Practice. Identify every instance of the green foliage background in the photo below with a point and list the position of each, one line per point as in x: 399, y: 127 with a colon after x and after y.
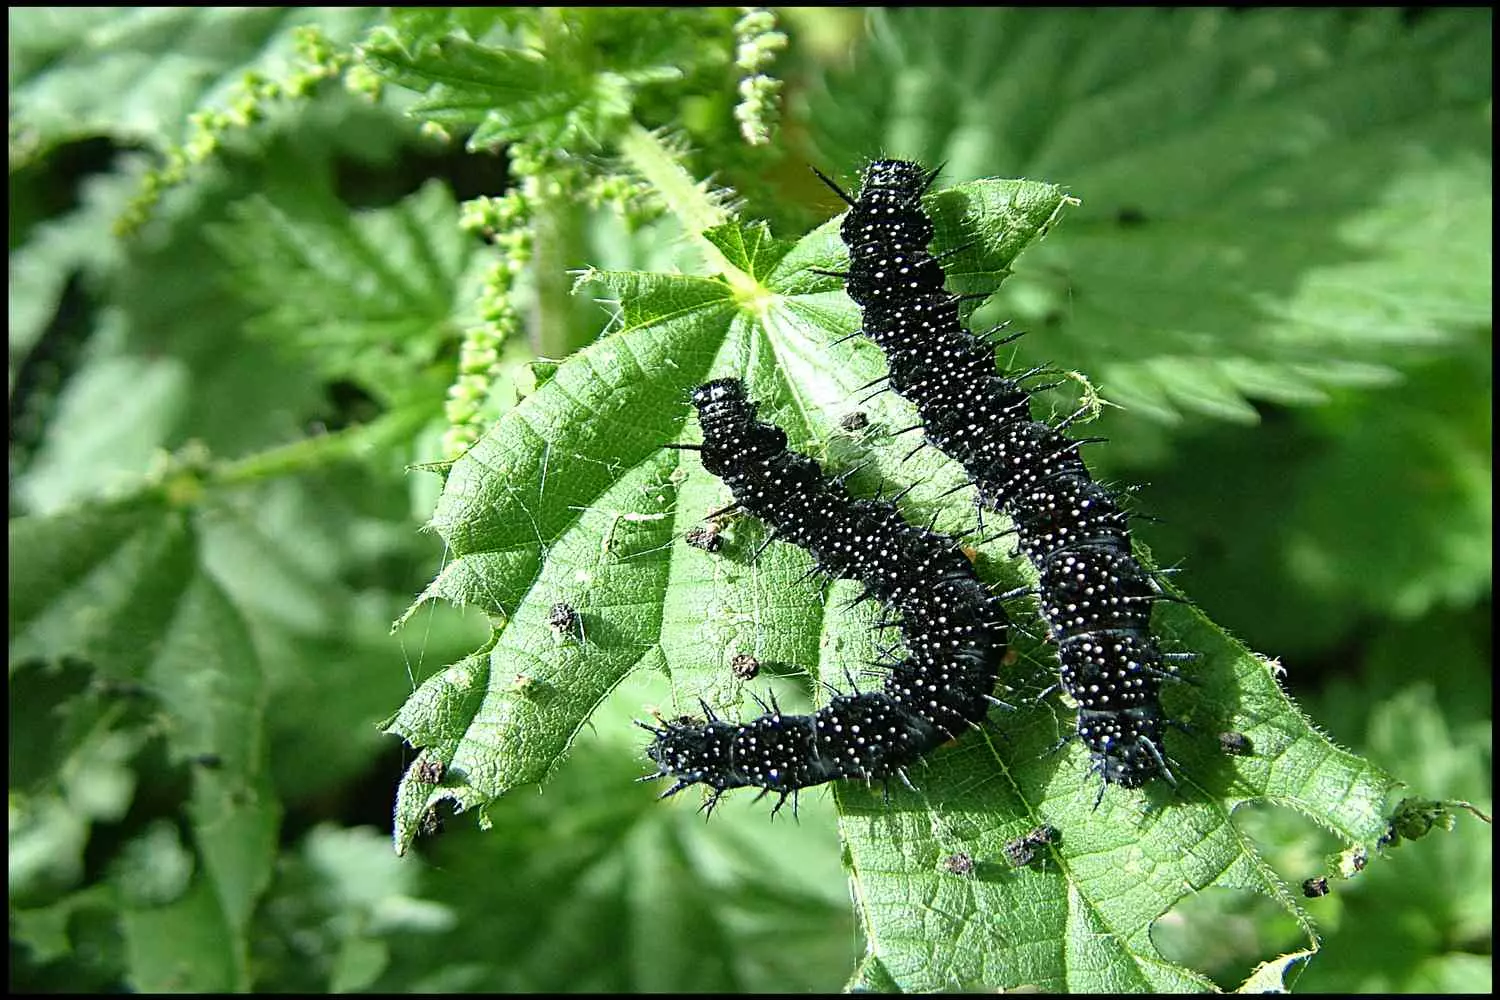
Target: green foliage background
x: 1279, y: 272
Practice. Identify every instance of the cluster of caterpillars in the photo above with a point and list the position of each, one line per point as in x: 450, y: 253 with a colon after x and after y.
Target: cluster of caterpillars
x: 1096, y: 598
x: 954, y: 629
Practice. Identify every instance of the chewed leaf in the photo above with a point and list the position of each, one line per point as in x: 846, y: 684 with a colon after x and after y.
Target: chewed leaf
x: 1093, y: 895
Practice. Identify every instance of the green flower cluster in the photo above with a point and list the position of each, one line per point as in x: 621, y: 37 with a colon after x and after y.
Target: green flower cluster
x: 758, y: 45
x: 317, y: 60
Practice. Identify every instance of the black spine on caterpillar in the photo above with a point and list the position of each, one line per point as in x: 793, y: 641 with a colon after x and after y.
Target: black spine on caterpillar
x: 954, y: 628
x: 1096, y: 598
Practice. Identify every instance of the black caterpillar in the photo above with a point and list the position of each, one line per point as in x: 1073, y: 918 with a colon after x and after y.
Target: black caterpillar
x: 1096, y: 599
x: 954, y: 628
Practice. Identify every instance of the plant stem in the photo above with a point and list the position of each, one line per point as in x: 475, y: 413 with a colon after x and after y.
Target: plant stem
x: 557, y: 232
x: 692, y: 203
x: 349, y: 444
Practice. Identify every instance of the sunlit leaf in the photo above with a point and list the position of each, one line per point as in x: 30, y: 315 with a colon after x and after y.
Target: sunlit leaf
x: 572, y: 498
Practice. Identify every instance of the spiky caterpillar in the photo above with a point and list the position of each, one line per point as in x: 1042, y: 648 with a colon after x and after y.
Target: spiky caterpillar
x: 953, y: 627
x: 1096, y: 598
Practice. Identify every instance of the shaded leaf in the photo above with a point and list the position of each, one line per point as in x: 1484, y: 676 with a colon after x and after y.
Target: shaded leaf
x: 1376, y: 505
x: 184, y: 946
x: 370, y: 296
x: 135, y: 73
x: 638, y: 898
x: 120, y: 587
x: 1274, y: 202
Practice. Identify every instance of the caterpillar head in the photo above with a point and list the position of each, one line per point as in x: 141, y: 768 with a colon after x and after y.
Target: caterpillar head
x: 731, y: 434
x: 692, y: 751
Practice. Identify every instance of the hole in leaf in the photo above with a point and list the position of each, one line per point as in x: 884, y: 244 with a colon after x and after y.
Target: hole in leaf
x: 1225, y: 933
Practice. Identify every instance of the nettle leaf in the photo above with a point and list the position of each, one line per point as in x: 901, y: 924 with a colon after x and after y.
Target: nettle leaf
x: 73, y: 242
x: 1313, y: 502
x: 572, y: 498
x: 509, y: 94
x: 1443, y: 757
x: 1277, y: 202
x: 136, y: 73
x: 737, y: 907
x: 118, y: 586
x: 371, y: 295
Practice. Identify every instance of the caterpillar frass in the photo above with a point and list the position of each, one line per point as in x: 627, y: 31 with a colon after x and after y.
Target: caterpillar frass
x: 1095, y: 597
x: 954, y: 629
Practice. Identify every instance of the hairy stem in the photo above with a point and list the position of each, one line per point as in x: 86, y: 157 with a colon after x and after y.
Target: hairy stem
x: 690, y: 202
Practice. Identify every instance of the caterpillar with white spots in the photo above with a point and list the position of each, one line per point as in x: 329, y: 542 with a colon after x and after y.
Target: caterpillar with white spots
x: 954, y: 628
x: 1095, y: 597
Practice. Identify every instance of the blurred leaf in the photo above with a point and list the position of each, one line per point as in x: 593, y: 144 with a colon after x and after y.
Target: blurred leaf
x: 1275, y: 202
x: 119, y: 586
x: 101, y: 584
x: 52, y: 933
x: 605, y: 890
x: 135, y: 73
x: 168, y: 353
x: 1430, y: 534
x: 1416, y: 923
x: 571, y: 498
x: 319, y: 566
x: 370, y: 296
x: 59, y: 247
x: 338, y: 905
x: 70, y: 768
x: 1379, y: 504
x: 154, y: 868
x: 183, y: 947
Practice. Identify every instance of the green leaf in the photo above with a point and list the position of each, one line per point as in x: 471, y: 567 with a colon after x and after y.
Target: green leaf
x: 134, y: 74
x: 464, y: 82
x: 119, y: 586
x: 1275, y: 202
x: 185, y: 946
x: 638, y: 898
x: 154, y: 868
x: 571, y: 498
x: 563, y: 78
x: 753, y: 250
x: 71, y: 767
x: 1116, y: 869
x: 1440, y: 509
x: 152, y: 358
x: 1443, y: 891
x: 39, y: 268
x: 370, y: 296
x: 101, y: 584
x: 1315, y: 503
x: 418, y: 27
x: 511, y: 94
